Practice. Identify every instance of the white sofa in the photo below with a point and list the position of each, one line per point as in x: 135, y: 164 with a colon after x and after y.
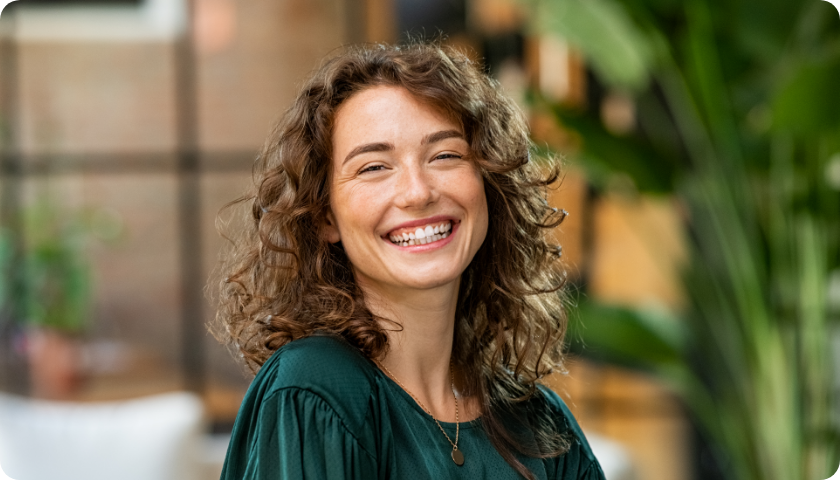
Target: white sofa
x: 153, y: 438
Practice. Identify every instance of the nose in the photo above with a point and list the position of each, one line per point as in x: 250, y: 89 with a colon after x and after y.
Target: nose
x: 416, y: 188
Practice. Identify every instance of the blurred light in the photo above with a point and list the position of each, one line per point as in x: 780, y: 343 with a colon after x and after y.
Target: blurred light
x: 151, y: 20
x: 618, y: 112
x: 554, y: 75
x: 834, y: 291
x: 832, y: 171
x: 514, y: 81
x: 215, y: 25
x: 495, y: 17
x: 760, y: 118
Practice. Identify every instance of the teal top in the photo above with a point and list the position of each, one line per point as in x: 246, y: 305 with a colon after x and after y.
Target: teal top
x: 318, y: 409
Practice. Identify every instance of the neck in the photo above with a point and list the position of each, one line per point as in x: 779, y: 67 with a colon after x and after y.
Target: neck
x: 420, y: 346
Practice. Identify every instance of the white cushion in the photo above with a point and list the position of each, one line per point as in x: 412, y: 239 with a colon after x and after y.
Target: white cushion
x: 153, y: 438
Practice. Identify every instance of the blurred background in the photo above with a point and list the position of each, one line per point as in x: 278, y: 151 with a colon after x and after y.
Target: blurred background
x: 701, y: 142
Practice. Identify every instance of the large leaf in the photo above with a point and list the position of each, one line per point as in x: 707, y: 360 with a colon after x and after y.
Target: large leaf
x: 632, y: 337
x: 809, y: 102
x: 704, y: 73
x: 605, y: 33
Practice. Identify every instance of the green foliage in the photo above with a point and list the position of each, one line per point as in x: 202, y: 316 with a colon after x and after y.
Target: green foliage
x: 739, y: 117
x: 618, y: 53
x: 48, y: 285
x: 641, y: 338
x: 606, y: 153
x: 803, y: 104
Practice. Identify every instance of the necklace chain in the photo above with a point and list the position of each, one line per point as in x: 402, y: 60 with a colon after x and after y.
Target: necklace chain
x: 452, y: 386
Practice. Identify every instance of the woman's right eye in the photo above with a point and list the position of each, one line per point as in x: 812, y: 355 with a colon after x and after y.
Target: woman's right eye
x: 371, y: 168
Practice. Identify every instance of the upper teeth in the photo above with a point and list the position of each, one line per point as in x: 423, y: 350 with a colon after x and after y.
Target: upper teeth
x: 423, y: 235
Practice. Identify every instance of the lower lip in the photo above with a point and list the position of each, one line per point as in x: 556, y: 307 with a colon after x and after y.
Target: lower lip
x: 429, y: 246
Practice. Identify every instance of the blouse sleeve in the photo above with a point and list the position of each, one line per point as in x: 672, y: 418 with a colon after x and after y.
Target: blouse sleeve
x: 296, y: 434
x: 594, y: 472
x: 579, y: 463
x: 576, y: 464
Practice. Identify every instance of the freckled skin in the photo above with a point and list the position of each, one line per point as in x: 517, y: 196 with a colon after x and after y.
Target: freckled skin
x: 375, y: 192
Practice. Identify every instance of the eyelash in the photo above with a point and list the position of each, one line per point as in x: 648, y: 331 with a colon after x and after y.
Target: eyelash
x: 371, y: 168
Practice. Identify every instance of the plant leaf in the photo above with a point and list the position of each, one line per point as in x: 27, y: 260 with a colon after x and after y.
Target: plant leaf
x: 605, y: 33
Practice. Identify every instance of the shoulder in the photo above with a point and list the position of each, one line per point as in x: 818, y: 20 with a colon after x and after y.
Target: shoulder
x: 318, y: 360
x: 325, y: 368
x: 578, y: 445
x: 312, y: 398
x: 561, y: 411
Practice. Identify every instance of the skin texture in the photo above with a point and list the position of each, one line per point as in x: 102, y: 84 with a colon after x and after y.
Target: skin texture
x: 419, y: 171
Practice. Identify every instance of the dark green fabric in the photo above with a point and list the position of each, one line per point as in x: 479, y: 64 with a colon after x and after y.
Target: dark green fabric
x: 318, y: 409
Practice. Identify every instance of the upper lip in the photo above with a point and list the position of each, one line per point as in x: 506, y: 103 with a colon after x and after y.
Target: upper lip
x: 422, y: 221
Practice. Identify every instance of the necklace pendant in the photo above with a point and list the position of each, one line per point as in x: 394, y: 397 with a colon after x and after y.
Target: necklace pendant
x: 457, y: 456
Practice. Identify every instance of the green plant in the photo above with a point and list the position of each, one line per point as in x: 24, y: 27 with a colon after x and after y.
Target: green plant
x: 48, y: 285
x: 738, y: 116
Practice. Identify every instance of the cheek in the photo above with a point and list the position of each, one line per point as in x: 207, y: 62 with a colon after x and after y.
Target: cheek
x: 352, y: 207
x: 483, y: 215
x: 357, y: 218
x: 475, y: 199
x: 475, y: 186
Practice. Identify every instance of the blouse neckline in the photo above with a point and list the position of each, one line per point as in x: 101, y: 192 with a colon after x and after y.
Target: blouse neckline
x: 391, y: 384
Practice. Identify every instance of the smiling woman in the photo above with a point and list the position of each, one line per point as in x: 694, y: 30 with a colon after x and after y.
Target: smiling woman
x: 394, y: 291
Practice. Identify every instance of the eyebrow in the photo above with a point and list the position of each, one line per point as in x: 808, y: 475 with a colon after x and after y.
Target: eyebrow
x: 368, y: 147
x: 442, y: 135
x: 385, y: 147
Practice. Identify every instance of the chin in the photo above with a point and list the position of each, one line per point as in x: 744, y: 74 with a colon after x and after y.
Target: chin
x: 428, y: 284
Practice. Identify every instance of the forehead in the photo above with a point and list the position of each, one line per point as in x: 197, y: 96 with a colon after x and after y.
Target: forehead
x: 386, y: 101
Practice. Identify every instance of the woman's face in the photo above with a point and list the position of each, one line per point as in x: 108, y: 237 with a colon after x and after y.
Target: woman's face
x: 407, y: 202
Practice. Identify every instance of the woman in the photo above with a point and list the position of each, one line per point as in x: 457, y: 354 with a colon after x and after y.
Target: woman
x: 395, y: 291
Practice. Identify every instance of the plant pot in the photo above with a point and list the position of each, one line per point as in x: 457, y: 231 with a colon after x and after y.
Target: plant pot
x: 55, y: 363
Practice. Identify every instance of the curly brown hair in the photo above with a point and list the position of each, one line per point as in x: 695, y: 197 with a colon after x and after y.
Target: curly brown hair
x: 285, y: 281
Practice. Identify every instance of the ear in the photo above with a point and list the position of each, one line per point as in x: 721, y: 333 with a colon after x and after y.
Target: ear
x: 329, y: 230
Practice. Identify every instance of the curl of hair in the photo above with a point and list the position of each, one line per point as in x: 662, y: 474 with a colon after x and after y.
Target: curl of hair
x: 284, y: 282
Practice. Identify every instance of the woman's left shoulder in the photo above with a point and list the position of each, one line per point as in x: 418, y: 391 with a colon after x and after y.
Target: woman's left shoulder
x: 552, y: 401
x: 579, y: 457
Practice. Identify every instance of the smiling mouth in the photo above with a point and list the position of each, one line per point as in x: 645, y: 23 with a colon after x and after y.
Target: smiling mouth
x: 423, y: 235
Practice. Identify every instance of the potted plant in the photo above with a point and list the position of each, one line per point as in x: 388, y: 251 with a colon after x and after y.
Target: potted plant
x: 47, y: 286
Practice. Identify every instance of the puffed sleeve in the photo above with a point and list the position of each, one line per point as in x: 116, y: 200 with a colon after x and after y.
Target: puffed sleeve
x: 296, y: 434
x: 594, y: 472
x: 578, y: 463
x: 576, y: 466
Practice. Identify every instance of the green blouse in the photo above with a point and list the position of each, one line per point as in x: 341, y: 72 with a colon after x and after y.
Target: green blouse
x: 318, y: 409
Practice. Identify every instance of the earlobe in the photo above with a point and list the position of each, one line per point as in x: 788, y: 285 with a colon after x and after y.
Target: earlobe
x: 329, y: 230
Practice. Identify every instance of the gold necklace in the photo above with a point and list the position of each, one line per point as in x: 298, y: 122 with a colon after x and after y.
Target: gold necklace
x: 457, y: 456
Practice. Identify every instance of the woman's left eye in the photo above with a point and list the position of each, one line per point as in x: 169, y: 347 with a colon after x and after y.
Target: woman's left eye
x: 444, y: 156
